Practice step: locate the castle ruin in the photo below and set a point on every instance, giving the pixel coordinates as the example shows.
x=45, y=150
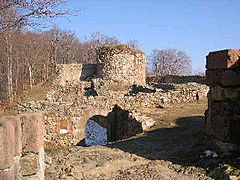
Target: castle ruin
x=109, y=93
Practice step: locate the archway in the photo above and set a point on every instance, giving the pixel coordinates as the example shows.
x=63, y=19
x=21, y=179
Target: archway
x=101, y=127
x=96, y=132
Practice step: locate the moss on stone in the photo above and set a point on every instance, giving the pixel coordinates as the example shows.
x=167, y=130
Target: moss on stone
x=118, y=49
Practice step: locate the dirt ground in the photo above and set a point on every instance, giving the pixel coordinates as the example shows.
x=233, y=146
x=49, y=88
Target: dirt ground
x=173, y=149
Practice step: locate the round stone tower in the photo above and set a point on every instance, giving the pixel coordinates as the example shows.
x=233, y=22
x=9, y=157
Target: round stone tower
x=122, y=64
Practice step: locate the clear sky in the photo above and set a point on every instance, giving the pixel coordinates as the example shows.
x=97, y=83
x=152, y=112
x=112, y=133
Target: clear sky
x=194, y=26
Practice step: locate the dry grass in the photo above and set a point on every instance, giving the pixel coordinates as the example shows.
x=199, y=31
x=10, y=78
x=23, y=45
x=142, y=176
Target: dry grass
x=170, y=113
x=38, y=92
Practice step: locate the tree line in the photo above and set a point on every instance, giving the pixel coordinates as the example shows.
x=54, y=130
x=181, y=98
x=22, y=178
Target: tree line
x=30, y=57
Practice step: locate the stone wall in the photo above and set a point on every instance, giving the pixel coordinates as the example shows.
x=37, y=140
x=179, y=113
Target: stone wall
x=22, y=151
x=119, y=64
x=82, y=92
x=223, y=77
x=68, y=108
x=68, y=74
x=122, y=63
x=176, y=79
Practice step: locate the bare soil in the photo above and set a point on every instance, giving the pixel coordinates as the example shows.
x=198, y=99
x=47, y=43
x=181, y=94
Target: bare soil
x=173, y=149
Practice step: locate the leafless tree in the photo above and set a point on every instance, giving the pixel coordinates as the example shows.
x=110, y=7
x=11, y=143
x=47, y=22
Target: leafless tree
x=26, y=57
x=170, y=62
x=134, y=43
x=28, y=12
x=90, y=45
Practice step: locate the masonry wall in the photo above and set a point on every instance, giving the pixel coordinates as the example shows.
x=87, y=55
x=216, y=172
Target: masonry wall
x=73, y=100
x=122, y=63
x=175, y=79
x=68, y=74
x=67, y=110
x=22, y=147
x=223, y=77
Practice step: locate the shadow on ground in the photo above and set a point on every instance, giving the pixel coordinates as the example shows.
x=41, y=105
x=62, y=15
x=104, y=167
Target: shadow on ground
x=183, y=144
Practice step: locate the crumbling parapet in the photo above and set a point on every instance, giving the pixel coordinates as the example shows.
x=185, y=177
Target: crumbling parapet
x=117, y=63
x=22, y=148
x=223, y=77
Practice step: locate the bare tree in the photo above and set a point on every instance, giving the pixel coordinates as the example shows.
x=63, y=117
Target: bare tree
x=170, y=62
x=99, y=39
x=134, y=43
x=28, y=58
x=91, y=44
x=28, y=12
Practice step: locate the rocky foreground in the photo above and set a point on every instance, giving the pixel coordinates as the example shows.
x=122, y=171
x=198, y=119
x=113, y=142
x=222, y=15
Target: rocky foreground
x=173, y=149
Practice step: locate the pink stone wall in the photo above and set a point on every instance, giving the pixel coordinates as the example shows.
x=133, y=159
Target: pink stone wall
x=21, y=139
x=223, y=77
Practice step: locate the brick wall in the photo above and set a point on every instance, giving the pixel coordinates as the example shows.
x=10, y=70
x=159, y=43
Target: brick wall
x=223, y=77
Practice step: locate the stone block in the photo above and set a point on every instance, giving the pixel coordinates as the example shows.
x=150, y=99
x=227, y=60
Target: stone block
x=220, y=126
x=12, y=173
x=32, y=166
x=225, y=128
x=235, y=129
x=201, y=95
x=223, y=59
x=226, y=78
x=213, y=77
x=223, y=118
x=232, y=93
x=217, y=93
x=230, y=78
x=33, y=131
x=208, y=119
x=29, y=164
x=10, y=140
x=220, y=108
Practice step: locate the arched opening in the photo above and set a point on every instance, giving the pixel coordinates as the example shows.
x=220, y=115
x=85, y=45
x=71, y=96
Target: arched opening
x=116, y=125
x=96, y=132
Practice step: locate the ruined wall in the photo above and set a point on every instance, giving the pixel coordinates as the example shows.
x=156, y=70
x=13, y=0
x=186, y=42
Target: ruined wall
x=73, y=100
x=22, y=149
x=119, y=64
x=223, y=77
x=68, y=74
x=175, y=79
x=67, y=109
x=122, y=63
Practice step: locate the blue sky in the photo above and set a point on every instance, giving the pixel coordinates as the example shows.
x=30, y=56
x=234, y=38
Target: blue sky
x=194, y=26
